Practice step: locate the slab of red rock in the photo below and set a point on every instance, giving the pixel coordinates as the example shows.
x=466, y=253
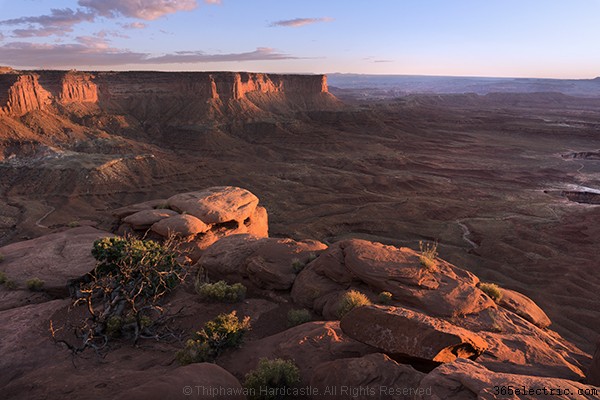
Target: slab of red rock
x=194, y=381
x=396, y=330
x=184, y=225
x=374, y=376
x=55, y=258
x=444, y=291
x=465, y=379
x=266, y=263
x=144, y=219
x=26, y=344
x=217, y=204
x=309, y=345
x=524, y=307
x=593, y=372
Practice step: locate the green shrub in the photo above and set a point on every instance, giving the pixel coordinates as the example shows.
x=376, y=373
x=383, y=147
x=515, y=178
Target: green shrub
x=385, y=297
x=35, y=284
x=3, y=278
x=223, y=332
x=297, y=265
x=298, y=317
x=492, y=290
x=221, y=291
x=10, y=284
x=125, y=289
x=351, y=300
x=271, y=378
x=428, y=255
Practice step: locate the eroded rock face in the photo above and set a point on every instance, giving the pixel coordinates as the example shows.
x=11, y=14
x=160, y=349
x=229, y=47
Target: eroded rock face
x=377, y=376
x=267, y=263
x=396, y=330
x=55, y=258
x=194, y=381
x=198, y=218
x=374, y=267
x=466, y=379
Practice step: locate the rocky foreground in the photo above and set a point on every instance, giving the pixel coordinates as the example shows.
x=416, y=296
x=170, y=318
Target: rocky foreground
x=437, y=333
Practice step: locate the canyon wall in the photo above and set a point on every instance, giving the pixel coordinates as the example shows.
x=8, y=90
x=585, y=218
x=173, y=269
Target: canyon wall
x=148, y=93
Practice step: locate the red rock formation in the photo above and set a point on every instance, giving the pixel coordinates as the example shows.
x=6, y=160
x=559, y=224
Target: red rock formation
x=78, y=88
x=186, y=95
x=24, y=95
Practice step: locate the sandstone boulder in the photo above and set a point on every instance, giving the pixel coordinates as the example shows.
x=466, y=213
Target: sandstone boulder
x=216, y=205
x=309, y=345
x=396, y=330
x=183, y=225
x=445, y=290
x=524, y=307
x=374, y=376
x=194, y=381
x=144, y=219
x=266, y=263
x=199, y=218
x=465, y=379
x=55, y=258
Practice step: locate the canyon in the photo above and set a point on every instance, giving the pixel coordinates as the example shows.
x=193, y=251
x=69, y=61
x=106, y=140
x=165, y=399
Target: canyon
x=505, y=183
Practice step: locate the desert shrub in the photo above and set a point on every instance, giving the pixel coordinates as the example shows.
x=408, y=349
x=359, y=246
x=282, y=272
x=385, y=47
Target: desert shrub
x=351, y=300
x=311, y=257
x=35, y=284
x=223, y=332
x=73, y=224
x=271, y=378
x=221, y=291
x=492, y=290
x=385, y=297
x=10, y=284
x=1, y=257
x=297, y=265
x=124, y=291
x=298, y=317
x=3, y=278
x=428, y=255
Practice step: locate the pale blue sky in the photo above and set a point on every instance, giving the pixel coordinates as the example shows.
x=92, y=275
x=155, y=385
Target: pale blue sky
x=526, y=38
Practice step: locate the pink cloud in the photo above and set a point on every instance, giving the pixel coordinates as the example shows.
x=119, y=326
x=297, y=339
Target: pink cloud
x=142, y=9
x=298, y=22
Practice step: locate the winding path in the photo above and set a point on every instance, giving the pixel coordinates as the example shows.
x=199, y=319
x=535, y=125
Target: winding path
x=39, y=221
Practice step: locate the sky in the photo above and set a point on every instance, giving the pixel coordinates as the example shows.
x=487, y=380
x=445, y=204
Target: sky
x=500, y=38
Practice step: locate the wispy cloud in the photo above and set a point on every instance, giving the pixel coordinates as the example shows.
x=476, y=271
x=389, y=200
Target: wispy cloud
x=58, y=22
x=142, y=9
x=134, y=25
x=61, y=21
x=212, y=1
x=95, y=51
x=298, y=22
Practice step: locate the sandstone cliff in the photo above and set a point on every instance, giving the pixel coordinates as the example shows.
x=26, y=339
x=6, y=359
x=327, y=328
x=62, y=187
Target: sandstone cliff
x=152, y=94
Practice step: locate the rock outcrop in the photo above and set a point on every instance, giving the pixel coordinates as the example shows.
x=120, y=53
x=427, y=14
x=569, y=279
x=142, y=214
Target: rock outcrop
x=374, y=267
x=399, y=331
x=265, y=263
x=197, y=218
x=593, y=373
